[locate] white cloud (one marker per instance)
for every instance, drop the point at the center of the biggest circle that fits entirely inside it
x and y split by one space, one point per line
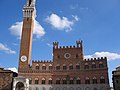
75 17
16 29
5 49
13 69
60 23
50 45
109 55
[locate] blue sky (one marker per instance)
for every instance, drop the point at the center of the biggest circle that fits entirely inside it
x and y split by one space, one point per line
96 22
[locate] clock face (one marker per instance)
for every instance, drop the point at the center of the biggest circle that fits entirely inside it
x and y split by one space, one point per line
67 55
23 58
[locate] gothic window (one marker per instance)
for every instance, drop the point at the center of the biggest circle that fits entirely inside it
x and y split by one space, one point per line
64 81
37 67
64 67
50 67
78 81
58 67
43 67
30 81
57 81
71 67
102 80
93 65
43 80
101 65
94 80
50 81
71 81
86 66
36 81
87 80
77 67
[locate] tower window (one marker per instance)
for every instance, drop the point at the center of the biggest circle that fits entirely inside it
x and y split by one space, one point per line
64 81
101 65
57 67
30 81
93 65
86 67
50 67
50 82
102 80
78 81
64 67
94 80
58 81
71 81
36 81
43 80
43 67
87 80
77 66
37 67
71 67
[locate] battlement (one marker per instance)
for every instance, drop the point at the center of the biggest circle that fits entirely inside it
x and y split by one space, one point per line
41 61
78 45
95 59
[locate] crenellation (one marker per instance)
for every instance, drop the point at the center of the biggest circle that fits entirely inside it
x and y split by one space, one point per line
68 63
95 59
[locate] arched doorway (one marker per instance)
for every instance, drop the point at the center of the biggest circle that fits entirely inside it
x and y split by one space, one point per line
20 86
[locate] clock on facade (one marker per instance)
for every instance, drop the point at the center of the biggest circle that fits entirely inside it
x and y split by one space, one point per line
23 58
67 55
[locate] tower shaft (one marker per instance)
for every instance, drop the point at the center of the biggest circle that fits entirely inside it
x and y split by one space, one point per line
29 13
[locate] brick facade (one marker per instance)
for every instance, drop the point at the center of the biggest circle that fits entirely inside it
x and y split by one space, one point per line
67 69
116 78
6 79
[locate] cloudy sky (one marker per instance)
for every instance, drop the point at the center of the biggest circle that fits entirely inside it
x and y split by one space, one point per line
96 22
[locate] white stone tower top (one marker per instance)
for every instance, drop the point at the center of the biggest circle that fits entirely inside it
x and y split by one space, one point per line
29 10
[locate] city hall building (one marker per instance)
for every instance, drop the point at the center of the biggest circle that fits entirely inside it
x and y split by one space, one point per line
67 71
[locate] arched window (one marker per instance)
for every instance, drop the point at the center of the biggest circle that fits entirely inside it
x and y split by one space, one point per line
78 81
70 67
87 80
57 81
71 81
43 67
58 67
43 80
50 67
64 81
93 65
102 80
94 80
30 81
101 65
50 81
64 67
86 66
77 66
37 67
36 81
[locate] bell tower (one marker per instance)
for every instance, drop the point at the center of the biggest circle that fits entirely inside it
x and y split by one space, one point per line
29 14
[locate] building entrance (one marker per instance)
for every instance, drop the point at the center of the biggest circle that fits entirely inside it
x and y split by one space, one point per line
20 86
